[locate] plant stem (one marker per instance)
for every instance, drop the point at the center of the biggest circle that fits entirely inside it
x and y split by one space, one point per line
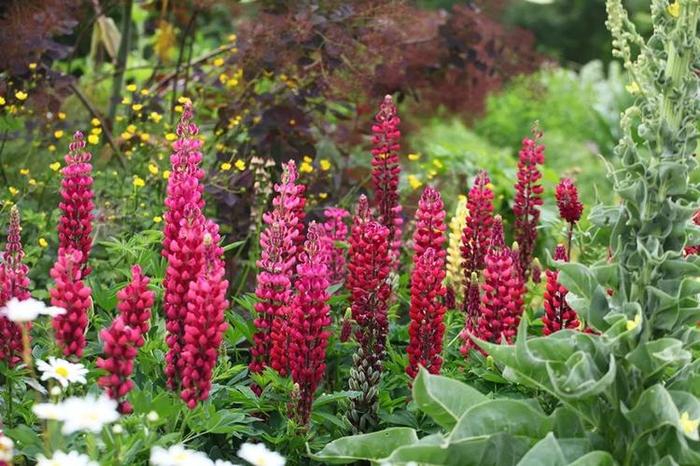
10 402
569 236
122 57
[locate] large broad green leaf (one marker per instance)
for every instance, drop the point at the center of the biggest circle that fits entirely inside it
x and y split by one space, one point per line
658 407
652 357
515 417
444 399
546 452
370 447
586 295
579 377
595 458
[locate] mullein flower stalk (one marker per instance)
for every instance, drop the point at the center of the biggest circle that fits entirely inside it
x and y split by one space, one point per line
528 199
75 224
71 294
558 314
183 237
386 171
14 283
309 319
454 277
368 278
205 322
336 231
426 329
570 208
476 236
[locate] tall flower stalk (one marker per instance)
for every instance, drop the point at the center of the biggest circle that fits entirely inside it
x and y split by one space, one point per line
558 315
454 278
336 231
71 294
385 173
570 208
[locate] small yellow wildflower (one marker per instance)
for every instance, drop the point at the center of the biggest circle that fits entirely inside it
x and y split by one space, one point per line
131 88
306 167
24 171
32 182
674 9
179 109
43 243
145 137
131 129
414 182
95 122
61 116
153 168
2 100
689 426
137 107
413 157
225 167
52 148
166 174
219 62
633 88
308 159
56 166
322 195
232 38
240 165
438 163
126 101
126 135
325 165
144 92
184 100
138 182
58 134
13 191
97 131
32 66
633 324
21 95
155 116
171 136
157 219
93 139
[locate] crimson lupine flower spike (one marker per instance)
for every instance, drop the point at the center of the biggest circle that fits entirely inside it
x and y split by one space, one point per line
368 272
183 234
570 208
430 224
75 224
309 321
134 303
427 328
557 312
335 230
385 173
121 343
71 294
14 283
477 232
205 323
528 199
503 290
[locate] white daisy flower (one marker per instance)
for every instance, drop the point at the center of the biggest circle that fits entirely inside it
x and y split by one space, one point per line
49 411
257 454
178 455
63 371
87 414
28 310
59 458
7 447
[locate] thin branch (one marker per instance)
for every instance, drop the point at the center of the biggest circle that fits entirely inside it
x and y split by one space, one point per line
122 57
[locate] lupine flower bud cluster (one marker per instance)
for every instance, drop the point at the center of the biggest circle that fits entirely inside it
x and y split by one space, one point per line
528 200
71 294
75 224
368 272
385 173
205 322
309 319
455 263
124 337
430 224
335 231
558 314
570 208
14 283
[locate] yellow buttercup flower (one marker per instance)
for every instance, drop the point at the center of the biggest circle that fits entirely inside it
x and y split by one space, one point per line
43 243
414 182
155 116
144 92
225 167
127 135
24 171
219 62
179 109
2 100
21 95
137 107
138 182
308 159
95 122
171 136
13 191
325 165
306 167
52 148
126 101
61 116
32 182
97 131
131 129
58 134
674 9
166 174
240 165
32 66
232 38
153 168
184 100
322 195
145 137
413 157
131 88
56 166
689 426
93 139
157 219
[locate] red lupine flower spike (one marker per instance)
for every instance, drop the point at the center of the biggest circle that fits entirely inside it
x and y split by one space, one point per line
134 302
471 318
558 314
528 200
430 224
336 230
75 224
121 344
570 208
385 173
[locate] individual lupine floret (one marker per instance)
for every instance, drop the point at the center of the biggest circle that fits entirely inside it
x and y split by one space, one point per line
71 294
368 272
309 319
75 224
427 311
570 208
14 283
528 199
454 278
205 322
558 314
121 343
134 302
385 173
336 231
476 237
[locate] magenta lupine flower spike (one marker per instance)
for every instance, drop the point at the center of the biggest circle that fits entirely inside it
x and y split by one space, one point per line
14 283
430 224
558 314
134 302
336 231
309 319
570 208
183 237
427 328
205 322
477 232
121 343
75 224
385 173
71 294
528 199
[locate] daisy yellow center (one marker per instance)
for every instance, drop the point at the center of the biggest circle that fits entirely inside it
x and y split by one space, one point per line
62 371
182 456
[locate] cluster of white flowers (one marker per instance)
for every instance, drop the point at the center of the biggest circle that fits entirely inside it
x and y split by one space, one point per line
178 455
28 310
80 414
65 459
7 447
63 371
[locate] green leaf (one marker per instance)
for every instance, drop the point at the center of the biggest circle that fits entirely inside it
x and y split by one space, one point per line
595 458
511 416
546 452
444 399
654 356
370 447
